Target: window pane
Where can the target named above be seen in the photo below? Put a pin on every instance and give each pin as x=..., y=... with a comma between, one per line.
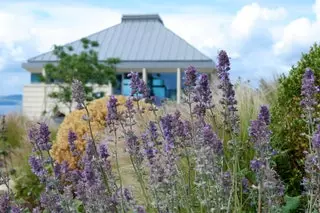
x=35, y=77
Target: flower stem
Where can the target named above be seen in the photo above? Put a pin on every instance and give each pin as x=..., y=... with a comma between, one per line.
x=104, y=175
x=118, y=167
x=141, y=182
x=260, y=198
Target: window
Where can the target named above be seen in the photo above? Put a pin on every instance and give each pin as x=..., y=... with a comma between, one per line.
x=35, y=78
x=117, y=87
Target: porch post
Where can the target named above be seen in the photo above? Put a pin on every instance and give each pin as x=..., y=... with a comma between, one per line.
x=144, y=75
x=178, y=85
x=45, y=92
x=109, y=90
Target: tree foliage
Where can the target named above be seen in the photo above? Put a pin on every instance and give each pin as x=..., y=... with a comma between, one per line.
x=288, y=125
x=84, y=67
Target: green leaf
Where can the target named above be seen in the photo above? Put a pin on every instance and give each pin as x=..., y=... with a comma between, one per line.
x=292, y=204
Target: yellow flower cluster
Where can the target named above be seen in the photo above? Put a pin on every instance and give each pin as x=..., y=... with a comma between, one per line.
x=75, y=122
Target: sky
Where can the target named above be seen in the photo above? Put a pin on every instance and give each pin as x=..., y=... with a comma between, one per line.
x=263, y=38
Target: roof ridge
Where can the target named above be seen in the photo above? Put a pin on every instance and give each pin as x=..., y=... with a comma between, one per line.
x=141, y=17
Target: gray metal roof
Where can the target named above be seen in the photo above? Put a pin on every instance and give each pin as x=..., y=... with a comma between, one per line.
x=138, y=38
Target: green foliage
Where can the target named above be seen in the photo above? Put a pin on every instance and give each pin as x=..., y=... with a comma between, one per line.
x=292, y=204
x=13, y=132
x=28, y=187
x=288, y=126
x=85, y=67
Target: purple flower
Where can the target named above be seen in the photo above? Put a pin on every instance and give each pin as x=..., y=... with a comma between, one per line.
x=187, y=129
x=190, y=77
x=260, y=133
x=138, y=86
x=127, y=195
x=228, y=94
x=308, y=91
x=149, y=149
x=33, y=134
x=226, y=181
x=316, y=139
x=264, y=115
x=103, y=150
x=37, y=166
x=132, y=143
x=78, y=94
x=211, y=140
x=203, y=96
x=51, y=202
x=153, y=131
x=112, y=114
x=90, y=149
x=256, y=165
x=15, y=209
x=44, y=137
x=223, y=61
x=64, y=166
x=39, y=136
x=140, y=209
x=57, y=170
x=203, y=92
x=72, y=137
x=88, y=172
x=167, y=123
x=133, y=146
x=129, y=104
x=4, y=203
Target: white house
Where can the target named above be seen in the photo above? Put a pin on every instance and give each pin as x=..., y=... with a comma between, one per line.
x=143, y=44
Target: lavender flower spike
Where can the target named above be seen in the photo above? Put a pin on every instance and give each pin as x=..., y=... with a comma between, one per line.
x=308, y=91
x=223, y=61
x=228, y=94
x=4, y=203
x=191, y=77
x=72, y=137
x=44, y=137
x=37, y=166
x=259, y=131
x=39, y=136
x=112, y=114
x=138, y=86
x=103, y=151
x=78, y=94
x=316, y=139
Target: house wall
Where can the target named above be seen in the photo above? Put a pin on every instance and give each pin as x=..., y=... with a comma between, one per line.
x=36, y=100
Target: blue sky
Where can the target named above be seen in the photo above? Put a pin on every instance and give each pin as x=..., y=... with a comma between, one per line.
x=263, y=38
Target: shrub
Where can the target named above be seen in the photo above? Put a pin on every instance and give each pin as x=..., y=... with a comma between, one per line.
x=288, y=125
x=76, y=123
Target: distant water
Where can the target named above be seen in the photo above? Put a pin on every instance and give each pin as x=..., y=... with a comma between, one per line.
x=6, y=109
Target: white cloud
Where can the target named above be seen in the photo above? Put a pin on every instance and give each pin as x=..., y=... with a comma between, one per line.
x=250, y=15
x=301, y=32
x=25, y=32
x=316, y=9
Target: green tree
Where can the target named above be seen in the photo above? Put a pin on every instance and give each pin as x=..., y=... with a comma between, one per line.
x=288, y=125
x=84, y=67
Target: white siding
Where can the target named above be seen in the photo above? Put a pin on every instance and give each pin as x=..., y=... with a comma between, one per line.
x=36, y=100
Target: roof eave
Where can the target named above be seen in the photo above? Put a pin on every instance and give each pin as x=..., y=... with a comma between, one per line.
x=137, y=64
